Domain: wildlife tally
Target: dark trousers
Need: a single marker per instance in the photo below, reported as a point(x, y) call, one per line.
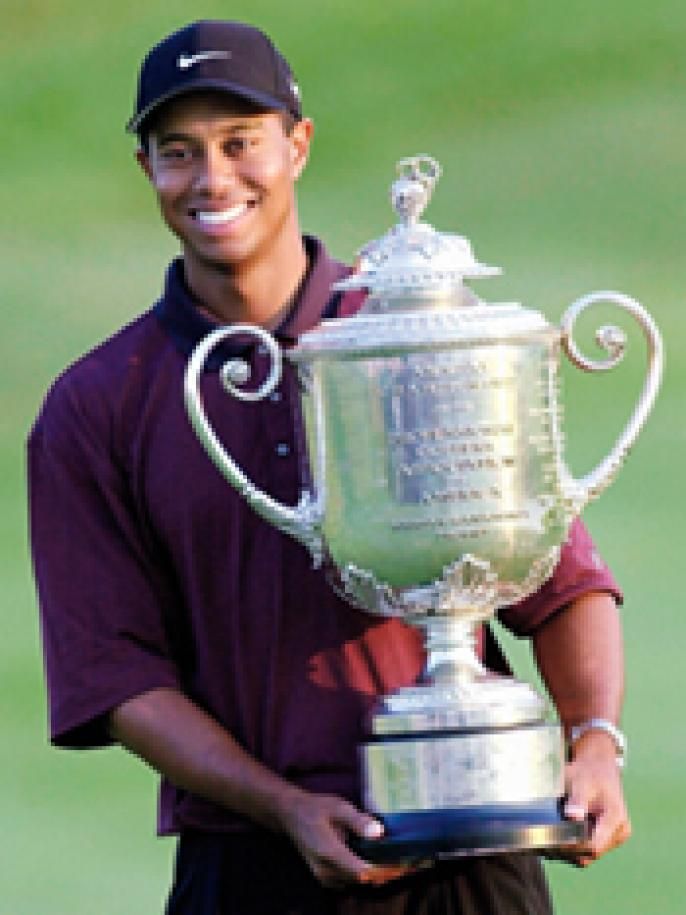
point(260, 874)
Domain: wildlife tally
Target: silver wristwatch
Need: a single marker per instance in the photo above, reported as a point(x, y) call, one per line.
point(601, 724)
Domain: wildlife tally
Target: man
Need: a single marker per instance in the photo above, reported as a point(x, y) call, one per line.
point(182, 626)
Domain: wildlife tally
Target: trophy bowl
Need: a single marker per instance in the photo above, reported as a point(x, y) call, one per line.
point(438, 493)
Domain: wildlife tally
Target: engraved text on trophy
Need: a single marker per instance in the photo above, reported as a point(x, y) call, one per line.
point(456, 426)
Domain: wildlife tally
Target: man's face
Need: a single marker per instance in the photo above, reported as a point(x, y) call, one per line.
point(224, 173)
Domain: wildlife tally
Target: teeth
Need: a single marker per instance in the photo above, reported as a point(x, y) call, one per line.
point(217, 217)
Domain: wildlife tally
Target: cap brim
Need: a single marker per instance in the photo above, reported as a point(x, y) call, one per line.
point(260, 98)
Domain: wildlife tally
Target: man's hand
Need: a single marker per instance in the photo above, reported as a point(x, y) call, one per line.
point(594, 793)
point(319, 824)
point(579, 653)
point(181, 741)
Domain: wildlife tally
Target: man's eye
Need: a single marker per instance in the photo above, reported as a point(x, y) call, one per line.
point(175, 154)
point(235, 146)
point(240, 146)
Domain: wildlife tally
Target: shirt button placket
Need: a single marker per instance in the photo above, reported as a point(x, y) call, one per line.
point(280, 433)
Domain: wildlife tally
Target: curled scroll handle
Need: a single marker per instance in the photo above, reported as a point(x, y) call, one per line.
point(613, 341)
point(303, 521)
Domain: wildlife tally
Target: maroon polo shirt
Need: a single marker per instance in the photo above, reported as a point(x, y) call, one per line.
point(152, 572)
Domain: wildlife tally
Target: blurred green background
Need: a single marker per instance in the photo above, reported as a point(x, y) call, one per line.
point(561, 132)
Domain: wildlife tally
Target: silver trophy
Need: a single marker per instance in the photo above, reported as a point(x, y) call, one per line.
point(437, 492)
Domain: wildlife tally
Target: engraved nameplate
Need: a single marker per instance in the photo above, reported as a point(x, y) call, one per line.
point(454, 425)
point(517, 765)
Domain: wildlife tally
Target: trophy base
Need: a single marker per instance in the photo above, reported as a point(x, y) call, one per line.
point(441, 834)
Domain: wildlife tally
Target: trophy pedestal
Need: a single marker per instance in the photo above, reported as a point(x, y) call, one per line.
point(453, 833)
point(467, 766)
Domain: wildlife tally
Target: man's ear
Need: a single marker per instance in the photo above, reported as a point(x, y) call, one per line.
point(300, 138)
point(143, 160)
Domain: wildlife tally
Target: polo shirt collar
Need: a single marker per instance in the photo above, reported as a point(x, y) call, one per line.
point(179, 314)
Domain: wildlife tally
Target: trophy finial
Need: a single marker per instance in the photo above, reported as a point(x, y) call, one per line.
point(411, 192)
point(413, 259)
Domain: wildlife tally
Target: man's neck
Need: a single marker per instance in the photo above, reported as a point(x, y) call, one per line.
point(257, 292)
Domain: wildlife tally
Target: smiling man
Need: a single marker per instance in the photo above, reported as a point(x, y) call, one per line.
point(224, 174)
point(224, 142)
point(198, 636)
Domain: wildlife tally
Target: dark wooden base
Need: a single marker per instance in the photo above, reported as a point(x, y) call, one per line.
point(426, 834)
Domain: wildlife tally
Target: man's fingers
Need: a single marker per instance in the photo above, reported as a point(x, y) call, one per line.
point(575, 811)
point(367, 827)
point(361, 824)
point(342, 864)
point(322, 828)
point(611, 829)
point(333, 861)
point(595, 795)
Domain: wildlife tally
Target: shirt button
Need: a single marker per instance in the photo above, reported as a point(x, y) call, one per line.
point(275, 396)
point(283, 449)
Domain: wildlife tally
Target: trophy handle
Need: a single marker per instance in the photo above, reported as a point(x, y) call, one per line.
point(612, 340)
point(303, 521)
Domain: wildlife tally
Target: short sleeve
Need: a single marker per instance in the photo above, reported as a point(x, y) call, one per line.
point(579, 571)
point(101, 596)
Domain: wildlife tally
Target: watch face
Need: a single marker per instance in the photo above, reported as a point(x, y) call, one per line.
point(600, 724)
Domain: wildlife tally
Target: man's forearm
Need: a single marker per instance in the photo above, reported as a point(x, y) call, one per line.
point(580, 655)
point(179, 740)
point(183, 743)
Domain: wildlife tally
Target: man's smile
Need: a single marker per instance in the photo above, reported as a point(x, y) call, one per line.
point(211, 218)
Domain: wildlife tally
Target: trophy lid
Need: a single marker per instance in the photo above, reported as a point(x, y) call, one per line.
point(417, 298)
point(413, 257)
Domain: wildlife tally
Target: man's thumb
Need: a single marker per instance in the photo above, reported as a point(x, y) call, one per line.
point(362, 824)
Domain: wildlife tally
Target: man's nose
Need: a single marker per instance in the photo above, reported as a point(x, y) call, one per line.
point(216, 171)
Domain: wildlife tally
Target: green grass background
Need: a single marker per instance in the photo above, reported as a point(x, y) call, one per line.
point(560, 127)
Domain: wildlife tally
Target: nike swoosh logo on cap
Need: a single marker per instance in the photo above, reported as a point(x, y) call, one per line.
point(186, 61)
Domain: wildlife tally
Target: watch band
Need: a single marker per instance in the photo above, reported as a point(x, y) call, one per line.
point(601, 724)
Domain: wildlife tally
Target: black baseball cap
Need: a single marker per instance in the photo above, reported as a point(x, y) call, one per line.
point(215, 54)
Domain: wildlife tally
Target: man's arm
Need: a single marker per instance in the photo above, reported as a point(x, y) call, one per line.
point(179, 740)
point(579, 652)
